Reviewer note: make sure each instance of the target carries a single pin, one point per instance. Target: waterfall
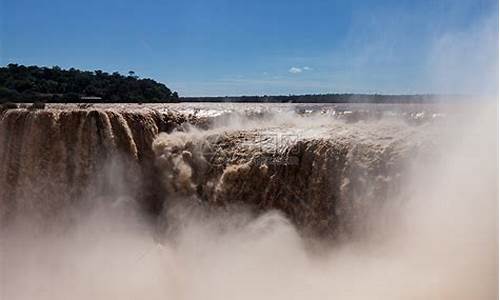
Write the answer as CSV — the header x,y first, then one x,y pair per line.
x,y
53,158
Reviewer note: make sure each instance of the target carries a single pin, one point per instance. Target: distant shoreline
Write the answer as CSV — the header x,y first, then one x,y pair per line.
x,y
299,99
316,99
329,98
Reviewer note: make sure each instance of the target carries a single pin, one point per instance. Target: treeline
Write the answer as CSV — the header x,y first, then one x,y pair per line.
x,y
321,98
20,83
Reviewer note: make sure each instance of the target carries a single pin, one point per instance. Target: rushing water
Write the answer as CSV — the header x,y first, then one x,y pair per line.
x,y
246,201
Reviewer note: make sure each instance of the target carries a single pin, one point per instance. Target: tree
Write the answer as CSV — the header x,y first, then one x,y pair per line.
x,y
132,75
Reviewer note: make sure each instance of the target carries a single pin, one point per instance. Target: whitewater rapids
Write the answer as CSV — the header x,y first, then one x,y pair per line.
x,y
249,201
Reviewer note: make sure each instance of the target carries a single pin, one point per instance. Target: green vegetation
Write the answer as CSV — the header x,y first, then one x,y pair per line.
x,y
20,83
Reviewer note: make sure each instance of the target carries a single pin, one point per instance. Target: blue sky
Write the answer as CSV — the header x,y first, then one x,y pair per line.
x,y
257,47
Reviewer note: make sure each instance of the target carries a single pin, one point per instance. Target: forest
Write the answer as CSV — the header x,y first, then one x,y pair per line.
x,y
20,83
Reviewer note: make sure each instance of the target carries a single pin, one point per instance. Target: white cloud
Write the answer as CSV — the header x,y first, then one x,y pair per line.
x,y
295,70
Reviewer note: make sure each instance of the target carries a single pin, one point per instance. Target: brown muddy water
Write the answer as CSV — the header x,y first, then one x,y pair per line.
x,y
249,201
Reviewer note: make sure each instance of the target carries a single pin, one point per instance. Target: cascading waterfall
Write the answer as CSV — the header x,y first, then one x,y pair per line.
x,y
51,158
238,205
323,178
324,174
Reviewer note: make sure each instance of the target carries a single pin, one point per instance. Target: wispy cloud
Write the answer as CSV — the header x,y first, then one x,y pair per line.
x,y
297,70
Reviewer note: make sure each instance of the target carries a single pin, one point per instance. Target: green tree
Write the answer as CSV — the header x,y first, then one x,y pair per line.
x,y
34,83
